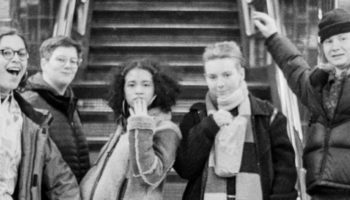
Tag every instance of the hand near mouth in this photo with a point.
(139, 108)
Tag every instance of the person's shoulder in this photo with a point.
(261, 105)
(29, 95)
(168, 125)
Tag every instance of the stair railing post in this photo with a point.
(290, 108)
(64, 19)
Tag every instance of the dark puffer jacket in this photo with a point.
(66, 128)
(275, 152)
(327, 152)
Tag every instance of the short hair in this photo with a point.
(165, 87)
(49, 45)
(220, 50)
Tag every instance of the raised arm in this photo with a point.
(288, 58)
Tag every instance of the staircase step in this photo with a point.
(113, 25)
(190, 89)
(97, 110)
(169, 6)
(162, 20)
(158, 38)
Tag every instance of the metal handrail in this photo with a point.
(65, 14)
(64, 19)
(290, 108)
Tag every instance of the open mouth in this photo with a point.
(13, 71)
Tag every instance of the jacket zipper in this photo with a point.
(328, 129)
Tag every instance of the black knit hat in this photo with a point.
(334, 22)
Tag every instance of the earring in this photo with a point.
(124, 108)
(152, 100)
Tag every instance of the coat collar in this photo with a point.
(259, 107)
(36, 82)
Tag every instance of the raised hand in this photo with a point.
(139, 107)
(265, 24)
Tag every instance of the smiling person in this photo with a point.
(234, 146)
(324, 90)
(50, 89)
(30, 163)
(134, 163)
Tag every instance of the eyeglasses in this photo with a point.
(64, 60)
(8, 54)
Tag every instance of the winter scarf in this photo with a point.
(232, 167)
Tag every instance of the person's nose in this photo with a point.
(139, 90)
(15, 58)
(220, 82)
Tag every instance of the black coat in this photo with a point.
(327, 142)
(275, 152)
(66, 129)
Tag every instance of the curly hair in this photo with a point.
(165, 87)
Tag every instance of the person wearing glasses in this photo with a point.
(31, 166)
(50, 90)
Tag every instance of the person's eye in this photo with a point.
(74, 62)
(61, 60)
(211, 76)
(22, 53)
(226, 75)
(130, 85)
(7, 52)
(327, 41)
(343, 38)
(147, 84)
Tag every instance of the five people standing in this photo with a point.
(232, 146)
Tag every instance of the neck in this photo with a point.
(4, 94)
(59, 88)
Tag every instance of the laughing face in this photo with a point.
(11, 69)
(337, 50)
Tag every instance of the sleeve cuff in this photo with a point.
(211, 127)
(141, 122)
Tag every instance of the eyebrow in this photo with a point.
(6, 47)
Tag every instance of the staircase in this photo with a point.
(176, 31)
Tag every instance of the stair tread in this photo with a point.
(112, 25)
(100, 106)
(197, 80)
(149, 44)
(108, 64)
(158, 6)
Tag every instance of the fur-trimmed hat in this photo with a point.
(334, 22)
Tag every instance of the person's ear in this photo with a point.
(43, 62)
(242, 72)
